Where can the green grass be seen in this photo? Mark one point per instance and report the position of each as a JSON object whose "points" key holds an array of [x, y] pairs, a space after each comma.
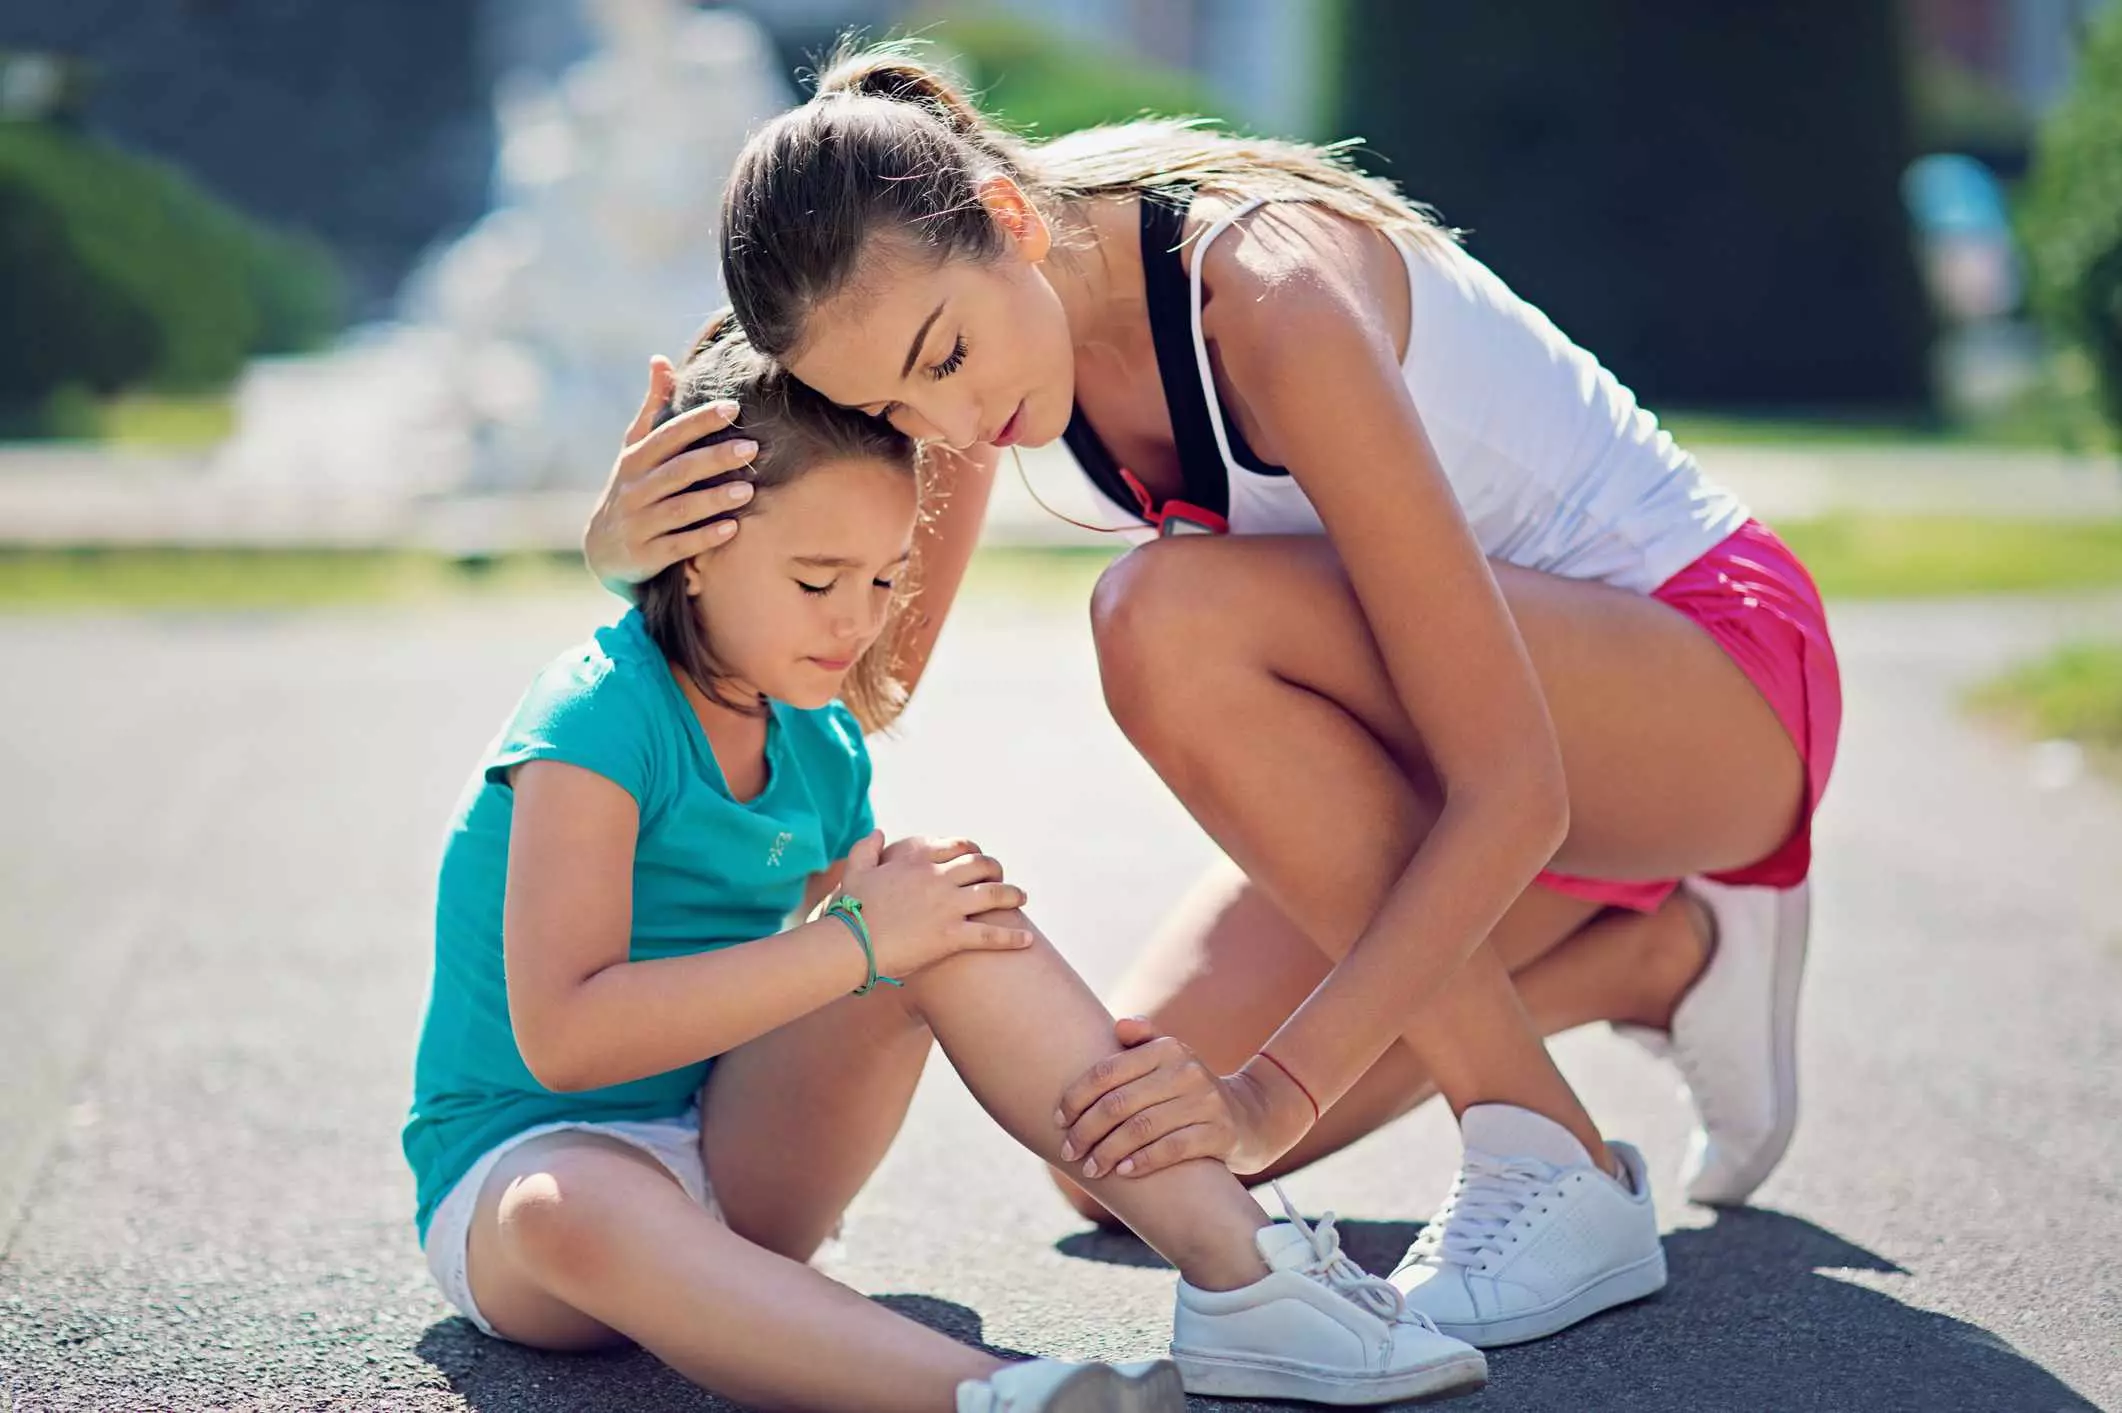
{"points": [[151, 421], [1875, 556], [263, 579], [1851, 556], [2075, 693]]}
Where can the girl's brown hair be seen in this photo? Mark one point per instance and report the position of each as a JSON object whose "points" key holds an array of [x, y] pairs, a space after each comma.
{"points": [[887, 143], [797, 431]]}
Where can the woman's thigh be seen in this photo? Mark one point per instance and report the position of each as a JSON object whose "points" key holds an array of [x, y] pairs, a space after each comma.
{"points": [[794, 1122], [1675, 763]]}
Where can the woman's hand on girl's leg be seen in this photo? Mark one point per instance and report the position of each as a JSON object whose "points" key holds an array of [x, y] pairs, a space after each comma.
{"points": [[1154, 1103]]}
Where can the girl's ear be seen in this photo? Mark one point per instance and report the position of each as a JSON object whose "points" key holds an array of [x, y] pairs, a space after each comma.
{"points": [[1008, 204], [692, 575]]}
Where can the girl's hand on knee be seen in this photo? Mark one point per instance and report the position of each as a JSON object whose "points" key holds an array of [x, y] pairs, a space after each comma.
{"points": [[923, 900], [1154, 1104]]}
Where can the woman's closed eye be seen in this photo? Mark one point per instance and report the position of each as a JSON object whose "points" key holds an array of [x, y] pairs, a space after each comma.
{"points": [[952, 364], [936, 373]]}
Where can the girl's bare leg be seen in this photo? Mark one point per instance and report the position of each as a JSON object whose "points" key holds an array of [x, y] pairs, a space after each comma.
{"points": [[580, 1242]]}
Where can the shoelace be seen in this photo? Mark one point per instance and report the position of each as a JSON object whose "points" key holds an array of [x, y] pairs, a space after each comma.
{"points": [[1489, 1194], [1332, 1268]]}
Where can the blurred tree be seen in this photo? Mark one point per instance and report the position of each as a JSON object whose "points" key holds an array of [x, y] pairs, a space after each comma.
{"points": [[2073, 217], [1703, 195], [116, 272], [1043, 84]]}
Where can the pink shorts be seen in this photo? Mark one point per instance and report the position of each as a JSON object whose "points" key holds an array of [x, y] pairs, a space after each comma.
{"points": [[1752, 595]]}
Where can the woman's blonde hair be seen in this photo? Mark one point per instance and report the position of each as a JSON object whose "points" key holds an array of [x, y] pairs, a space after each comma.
{"points": [[888, 143], [797, 432]]}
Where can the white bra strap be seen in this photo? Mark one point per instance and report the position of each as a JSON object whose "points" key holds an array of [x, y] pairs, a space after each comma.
{"points": [[1208, 374]]}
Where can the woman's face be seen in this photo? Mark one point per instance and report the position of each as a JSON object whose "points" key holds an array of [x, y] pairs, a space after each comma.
{"points": [[792, 602], [960, 351]]}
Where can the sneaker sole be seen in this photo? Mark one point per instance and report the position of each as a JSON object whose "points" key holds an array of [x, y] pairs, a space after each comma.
{"points": [[1101, 1389], [1218, 1376], [1793, 934], [1645, 1277]]}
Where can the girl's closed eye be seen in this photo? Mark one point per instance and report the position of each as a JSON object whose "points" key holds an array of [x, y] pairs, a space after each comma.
{"points": [[823, 589]]}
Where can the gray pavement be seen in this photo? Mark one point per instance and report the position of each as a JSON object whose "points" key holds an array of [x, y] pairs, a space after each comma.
{"points": [[217, 835]]}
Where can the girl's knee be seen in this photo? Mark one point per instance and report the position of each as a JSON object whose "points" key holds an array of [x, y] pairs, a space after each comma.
{"points": [[556, 1219]]}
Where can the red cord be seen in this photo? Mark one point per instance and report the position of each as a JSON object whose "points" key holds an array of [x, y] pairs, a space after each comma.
{"points": [[1294, 1080]]}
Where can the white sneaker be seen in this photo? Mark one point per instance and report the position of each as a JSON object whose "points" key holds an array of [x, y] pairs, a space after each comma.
{"points": [[1735, 1039], [1315, 1327], [1049, 1386], [1534, 1237]]}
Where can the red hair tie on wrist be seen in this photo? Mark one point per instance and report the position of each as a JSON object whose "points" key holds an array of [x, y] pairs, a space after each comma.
{"points": [[1296, 1081]]}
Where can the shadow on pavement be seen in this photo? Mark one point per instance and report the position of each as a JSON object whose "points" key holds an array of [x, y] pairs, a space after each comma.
{"points": [[494, 1376], [1757, 1316]]}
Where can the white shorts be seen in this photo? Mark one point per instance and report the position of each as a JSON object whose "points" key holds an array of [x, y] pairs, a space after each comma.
{"points": [[673, 1142]]}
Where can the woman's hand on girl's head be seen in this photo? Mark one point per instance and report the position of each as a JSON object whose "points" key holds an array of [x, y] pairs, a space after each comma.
{"points": [[638, 529], [923, 901], [1154, 1103]]}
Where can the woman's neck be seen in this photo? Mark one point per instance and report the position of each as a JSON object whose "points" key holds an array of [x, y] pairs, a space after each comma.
{"points": [[1096, 271]]}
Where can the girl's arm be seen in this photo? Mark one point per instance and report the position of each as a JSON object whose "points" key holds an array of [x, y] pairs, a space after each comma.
{"points": [[585, 1016]]}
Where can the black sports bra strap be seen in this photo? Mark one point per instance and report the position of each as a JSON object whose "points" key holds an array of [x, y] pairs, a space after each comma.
{"points": [[1169, 293], [1170, 296]]}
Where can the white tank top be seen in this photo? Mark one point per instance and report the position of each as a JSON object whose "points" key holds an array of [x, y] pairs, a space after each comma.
{"points": [[1554, 464]]}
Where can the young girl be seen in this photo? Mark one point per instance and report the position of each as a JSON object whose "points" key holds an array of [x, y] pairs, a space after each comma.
{"points": [[1477, 624], [643, 1100]]}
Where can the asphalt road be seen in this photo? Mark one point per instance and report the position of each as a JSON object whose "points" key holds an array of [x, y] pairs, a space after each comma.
{"points": [[217, 836]]}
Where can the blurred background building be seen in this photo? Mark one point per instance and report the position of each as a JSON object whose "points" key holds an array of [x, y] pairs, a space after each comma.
{"points": [[1812, 209]]}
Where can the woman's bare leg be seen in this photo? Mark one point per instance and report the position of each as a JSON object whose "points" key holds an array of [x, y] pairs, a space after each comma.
{"points": [[1276, 725], [1228, 968]]}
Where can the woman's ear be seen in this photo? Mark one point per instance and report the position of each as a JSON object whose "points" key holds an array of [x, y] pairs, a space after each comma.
{"points": [[693, 567], [1008, 204]]}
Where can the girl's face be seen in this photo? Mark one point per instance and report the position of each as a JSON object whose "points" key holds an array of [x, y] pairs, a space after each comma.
{"points": [[792, 602], [960, 351]]}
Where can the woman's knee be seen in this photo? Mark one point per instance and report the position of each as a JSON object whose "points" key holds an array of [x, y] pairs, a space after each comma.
{"points": [[1156, 631]]}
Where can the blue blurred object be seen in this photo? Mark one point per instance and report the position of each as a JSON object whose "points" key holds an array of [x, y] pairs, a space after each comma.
{"points": [[1969, 259], [1952, 193]]}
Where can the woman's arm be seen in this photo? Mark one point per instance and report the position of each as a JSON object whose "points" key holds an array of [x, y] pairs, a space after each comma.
{"points": [[584, 1015], [956, 486], [1323, 378]]}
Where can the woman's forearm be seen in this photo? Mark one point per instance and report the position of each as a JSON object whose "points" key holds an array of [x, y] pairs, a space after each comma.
{"points": [[636, 1019], [1478, 857], [957, 488]]}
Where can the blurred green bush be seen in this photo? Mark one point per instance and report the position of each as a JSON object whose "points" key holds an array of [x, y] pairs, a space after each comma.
{"points": [[117, 273], [1043, 84], [2073, 213]]}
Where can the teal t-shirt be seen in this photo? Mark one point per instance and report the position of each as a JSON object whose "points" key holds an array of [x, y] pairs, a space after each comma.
{"points": [[708, 872]]}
